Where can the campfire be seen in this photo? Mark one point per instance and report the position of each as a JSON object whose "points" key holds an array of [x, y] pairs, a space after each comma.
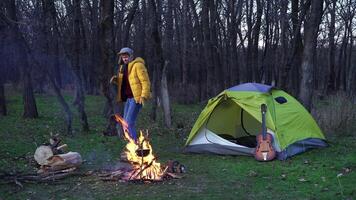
{"points": [[143, 163], [140, 155]]}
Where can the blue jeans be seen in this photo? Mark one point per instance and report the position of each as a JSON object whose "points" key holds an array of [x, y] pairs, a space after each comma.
{"points": [[131, 111]]}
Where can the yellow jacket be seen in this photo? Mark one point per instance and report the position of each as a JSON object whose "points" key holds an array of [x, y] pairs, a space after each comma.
{"points": [[138, 79]]}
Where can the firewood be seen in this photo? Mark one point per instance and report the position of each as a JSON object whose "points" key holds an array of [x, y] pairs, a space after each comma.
{"points": [[42, 153], [175, 176], [18, 178], [62, 161], [62, 146]]}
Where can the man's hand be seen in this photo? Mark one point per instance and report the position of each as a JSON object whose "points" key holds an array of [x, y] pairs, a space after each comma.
{"points": [[142, 100], [113, 79]]}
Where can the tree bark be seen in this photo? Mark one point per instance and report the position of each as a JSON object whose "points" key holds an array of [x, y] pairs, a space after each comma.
{"points": [[331, 78], [51, 63], [256, 40], [106, 41], [185, 45], [157, 61], [310, 38], [218, 71], [3, 110], [290, 75], [77, 68], [3, 63], [130, 18], [30, 108], [210, 78], [284, 69], [249, 56], [165, 97]]}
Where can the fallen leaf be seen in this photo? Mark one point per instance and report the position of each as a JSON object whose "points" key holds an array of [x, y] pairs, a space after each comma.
{"points": [[302, 180], [252, 173], [283, 176]]}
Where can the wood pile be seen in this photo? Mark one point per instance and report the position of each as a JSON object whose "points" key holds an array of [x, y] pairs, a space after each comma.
{"points": [[52, 158]]}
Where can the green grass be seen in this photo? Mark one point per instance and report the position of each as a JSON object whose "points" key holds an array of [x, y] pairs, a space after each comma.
{"points": [[312, 175]]}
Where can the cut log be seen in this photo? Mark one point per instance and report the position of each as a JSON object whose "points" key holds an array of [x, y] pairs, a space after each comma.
{"points": [[62, 161], [42, 153]]}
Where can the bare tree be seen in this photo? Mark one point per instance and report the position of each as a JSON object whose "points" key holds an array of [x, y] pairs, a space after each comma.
{"points": [[30, 108], [310, 42], [159, 85], [106, 38], [76, 45], [210, 45], [331, 79], [51, 64], [3, 37]]}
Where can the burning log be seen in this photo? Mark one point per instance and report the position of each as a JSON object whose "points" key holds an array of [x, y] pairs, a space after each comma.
{"points": [[144, 165]]}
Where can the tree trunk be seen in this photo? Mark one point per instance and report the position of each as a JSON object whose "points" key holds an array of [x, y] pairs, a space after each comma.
{"points": [[3, 110], [106, 41], [64, 104], [142, 35], [249, 57], [130, 17], [77, 68], [284, 70], [165, 97], [210, 78], [51, 64], [342, 62], [256, 41], [55, 45], [350, 67], [218, 71], [30, 108], [185, 36], [157, 60], [310, 38], [3, 63], [331, 78]]}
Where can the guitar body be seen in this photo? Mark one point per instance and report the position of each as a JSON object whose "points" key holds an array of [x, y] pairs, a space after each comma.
{"points": [[264, 149]]}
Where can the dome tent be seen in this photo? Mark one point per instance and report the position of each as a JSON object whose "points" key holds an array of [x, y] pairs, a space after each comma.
{"points": [[231, 120]]}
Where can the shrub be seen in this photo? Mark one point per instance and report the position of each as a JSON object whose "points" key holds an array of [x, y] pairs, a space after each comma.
{"points": [[336, 115]]}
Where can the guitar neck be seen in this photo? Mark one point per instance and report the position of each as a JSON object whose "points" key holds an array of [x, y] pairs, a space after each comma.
{"points": [[264, 129]]}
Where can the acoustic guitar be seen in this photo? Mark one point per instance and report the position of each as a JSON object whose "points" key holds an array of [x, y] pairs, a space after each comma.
{"points": [[264, 149]]}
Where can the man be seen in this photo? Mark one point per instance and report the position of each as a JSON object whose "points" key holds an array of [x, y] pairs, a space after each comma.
{"points": [[133, 86]]}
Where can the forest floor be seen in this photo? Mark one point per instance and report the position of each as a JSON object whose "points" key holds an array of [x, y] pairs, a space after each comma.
{"points": [[328, 173]]}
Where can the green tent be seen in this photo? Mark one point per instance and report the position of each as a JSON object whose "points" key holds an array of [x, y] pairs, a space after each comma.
{"points": [[230, 121]]}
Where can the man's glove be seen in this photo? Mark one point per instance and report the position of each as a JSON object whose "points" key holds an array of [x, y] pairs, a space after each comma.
{"points": [[113, 79], [142, 101]]}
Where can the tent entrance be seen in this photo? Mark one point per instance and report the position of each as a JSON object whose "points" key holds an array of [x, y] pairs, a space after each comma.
{"points": [[231, 122], [247, 141]]}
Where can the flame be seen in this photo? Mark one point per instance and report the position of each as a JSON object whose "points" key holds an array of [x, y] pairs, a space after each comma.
{"points": [[140, 155], [123, 123]]}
